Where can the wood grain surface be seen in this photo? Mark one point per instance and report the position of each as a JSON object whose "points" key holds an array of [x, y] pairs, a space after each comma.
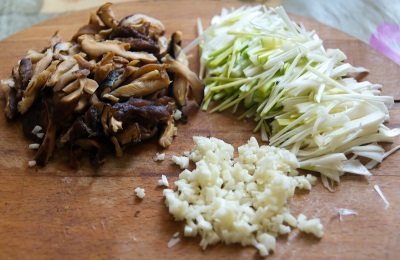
{"points": [[57, 213]]}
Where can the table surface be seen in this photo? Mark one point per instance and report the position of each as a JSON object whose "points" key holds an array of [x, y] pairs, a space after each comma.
{"points": [[54, 212]]}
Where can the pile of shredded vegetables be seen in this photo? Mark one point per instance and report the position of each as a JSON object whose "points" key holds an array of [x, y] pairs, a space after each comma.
{"points": [[300, 93]]}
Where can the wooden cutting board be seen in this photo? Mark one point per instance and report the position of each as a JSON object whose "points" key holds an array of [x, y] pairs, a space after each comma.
{"points": [[55, 212]]}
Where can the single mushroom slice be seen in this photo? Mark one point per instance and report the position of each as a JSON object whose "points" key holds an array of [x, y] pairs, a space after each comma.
{"points": [[81, 73], [66, 78], [145, 25], [25, 71], [84, 64], [55, 39], [174, 46], [127, 73], [128, 32], [61, 50], [180, 83], [163, 44], [17, 82], [146, 69], [144, 85], [107, 83], [104, 119], [11, 108], [147, 115], [102, 72], [138, 44], [115, 125], [82, 104], [179, 89], [168, 133], [196, 86], [47, 147], [119, 61], [106, 15], [71, 87], [96, 49], [117, 146], [103, 35], [89, 85], [35, 56], [130, 134], [90, 29]]}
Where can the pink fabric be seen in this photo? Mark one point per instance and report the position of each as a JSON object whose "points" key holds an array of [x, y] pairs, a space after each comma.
{"points": [[387, 41]]}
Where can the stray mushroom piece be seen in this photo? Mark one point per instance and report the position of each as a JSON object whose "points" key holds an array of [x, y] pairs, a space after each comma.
{"points": [[168, 134]]}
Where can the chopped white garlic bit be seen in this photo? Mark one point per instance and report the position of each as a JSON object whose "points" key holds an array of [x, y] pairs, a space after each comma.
{"points": [[177, 114], [160, 157], [140, 192], [163, 181], [36, 129], [173, 241], [34, 146], [32, 163], [378, 190], [40, 135], [312, 226], [344, 212], [9, 82], [239, 200], [182, 161]]}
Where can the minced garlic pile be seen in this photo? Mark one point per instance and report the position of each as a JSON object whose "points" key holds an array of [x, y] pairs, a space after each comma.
{"points": [[239, 200]]}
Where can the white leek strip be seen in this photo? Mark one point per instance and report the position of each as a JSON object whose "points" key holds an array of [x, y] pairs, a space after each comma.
{"points": [[385, 99], [354, 166], [329, 80], [345, 212], [282, 13], [199, 26], [378, 190], [374, 162]]}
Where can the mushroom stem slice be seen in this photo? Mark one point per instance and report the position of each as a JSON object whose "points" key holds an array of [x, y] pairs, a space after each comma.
{"points": [[107, 16], [144, 85], [96, 49], [179, 89], [47, 147], [196, 86], [168, 134], [117, 146]]}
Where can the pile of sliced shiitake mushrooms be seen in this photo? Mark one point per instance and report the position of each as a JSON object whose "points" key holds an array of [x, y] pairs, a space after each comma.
{"points": [[113, 84]]}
